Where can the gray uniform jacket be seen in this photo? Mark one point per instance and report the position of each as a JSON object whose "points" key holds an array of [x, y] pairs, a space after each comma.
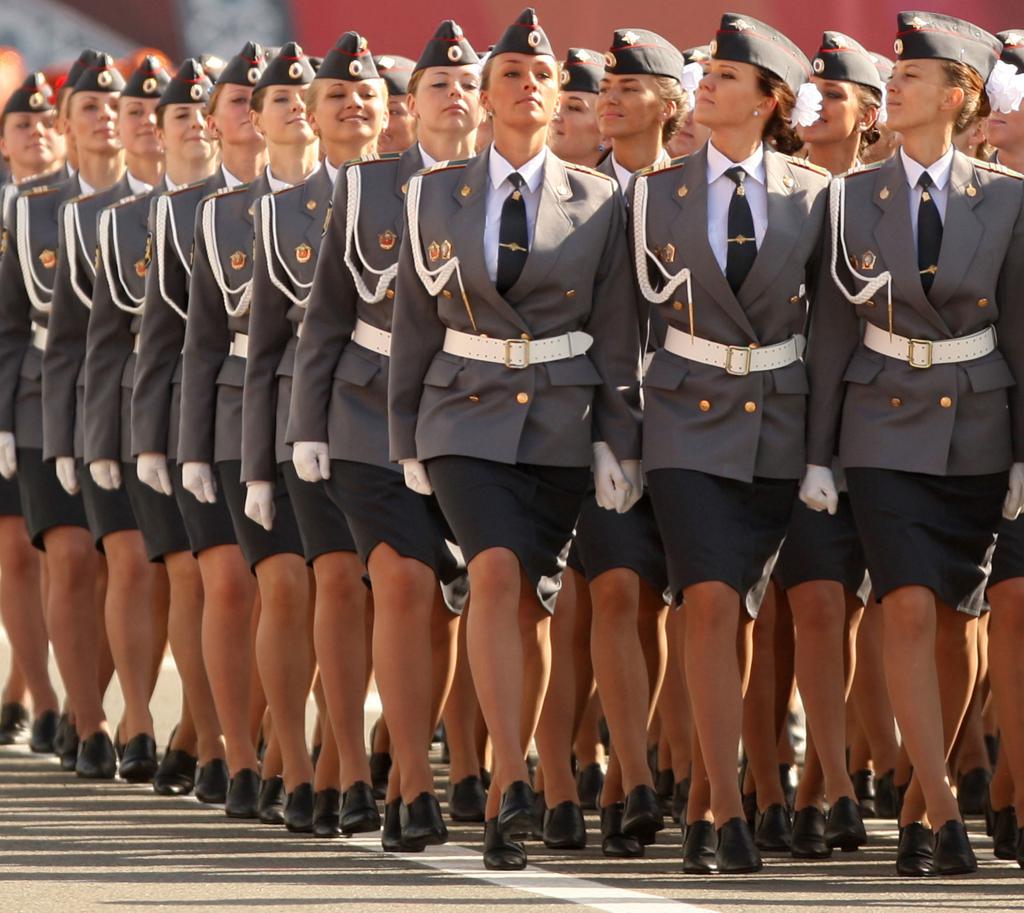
{"points": [[64, 357], [576, 277], [340, 389], [698, 416], [211, 377], [26, 295], [156, 394], [949, 419], [289, 229], [125, 241]]}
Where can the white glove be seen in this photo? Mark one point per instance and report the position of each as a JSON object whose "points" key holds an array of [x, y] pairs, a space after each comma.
{"points": [[612, 487], [106, 474], [311, 461], [198, 479], [818, 489], [8, 455], [259, 503], [1015, 496], [66, 475], [634, 473], [416, 478], [151, 469]]}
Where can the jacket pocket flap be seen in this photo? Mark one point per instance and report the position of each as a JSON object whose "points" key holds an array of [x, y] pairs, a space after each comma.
{"points": [[791, 379], [864, 367], [442, 372], [666, 372], [573, 372], [232, 372], [990, 375], [354, 369], [32, 365]]}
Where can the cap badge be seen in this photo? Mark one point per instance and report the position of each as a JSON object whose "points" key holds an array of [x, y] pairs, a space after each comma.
{"points": [[303, 252], [104, 78], [741, 25], [36, 100], [196, 92], [149, 86], [917, 23], [386, 240], [897, 46], [455, 53], [295, 70], [238, 260], [253, 75], [609, 59], [533, 39], [355, 68], [819, 65], [629, 38]]}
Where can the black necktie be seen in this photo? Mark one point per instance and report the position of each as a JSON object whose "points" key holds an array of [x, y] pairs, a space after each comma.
{"points": [[929, 233], [742, 246], [513, 239]]}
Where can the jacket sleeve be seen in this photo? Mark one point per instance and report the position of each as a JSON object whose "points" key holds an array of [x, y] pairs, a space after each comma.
{"points": [[1010, 329], [15, 327]]}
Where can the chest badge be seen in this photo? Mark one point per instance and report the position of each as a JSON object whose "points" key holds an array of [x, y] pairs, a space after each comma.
{"points": [[883, 194], [434, 250], [446, 250], [238, 260], [140, 268], [303, 252], [868, 260], [668, 253], [387, 240], [48, 258]]}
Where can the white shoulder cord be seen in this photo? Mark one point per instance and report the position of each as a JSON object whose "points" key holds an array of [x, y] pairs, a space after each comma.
{"points": [[642, 254], [385, 276], [173, 225], [837, 215], [165, 212], [210, 236], [268, 223], [108, 236], [71, 251], [33, 286], [81, 241]]}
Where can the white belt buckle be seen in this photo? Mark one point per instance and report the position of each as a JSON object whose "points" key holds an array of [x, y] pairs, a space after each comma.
{"points": [[743, 369], [517, 353], [916, 346]]}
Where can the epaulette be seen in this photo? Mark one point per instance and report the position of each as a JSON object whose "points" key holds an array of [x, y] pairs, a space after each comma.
{"points": [[446, 166], [669, 165], [38, 191], [585, 170], [225, 192], [371, 159], [996, 168], [864, 169], [810, 166], [185, 188], [131, 198]]}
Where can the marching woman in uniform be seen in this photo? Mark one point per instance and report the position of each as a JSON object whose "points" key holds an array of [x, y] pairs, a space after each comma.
{"points": [[575, 134], [131, 581], [228, 590], [399, 131], [515, 329], [339, 423], [904, 346], [727, 242], [216, 343], [346, 105], [30, 145]]}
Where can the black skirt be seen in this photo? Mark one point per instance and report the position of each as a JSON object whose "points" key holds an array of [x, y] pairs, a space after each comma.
{"points": [[530, 510], [718, 529], [256, 543], [1008, 560], [44, 501], [107, 511], [322, 525], [207, 525], [931, 531], [159, 519], [380, 508], [606, 541], [10, 499], [822, 547]]}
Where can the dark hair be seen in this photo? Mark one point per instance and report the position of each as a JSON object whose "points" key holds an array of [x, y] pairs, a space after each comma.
{"points": [[976, 103], [867, 98], [778, 131], [669, 89]]}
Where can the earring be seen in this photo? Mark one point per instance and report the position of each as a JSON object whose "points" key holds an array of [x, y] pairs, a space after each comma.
{"points": [[757, 114]]}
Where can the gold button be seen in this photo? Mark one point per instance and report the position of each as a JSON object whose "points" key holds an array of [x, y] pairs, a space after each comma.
{"points": [[446, 293], [570, 293], [945, 402], [390, 293], [895, 402], [473, 398], [750, 406], [794, 299], [704, 405], [522, 398], [677, 305], [524, 336], [752, 345], [983, 302]]}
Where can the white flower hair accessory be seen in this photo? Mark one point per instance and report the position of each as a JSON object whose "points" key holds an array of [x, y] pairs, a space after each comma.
{"points": [[1005, 88], [693, 73], [807, 107]]}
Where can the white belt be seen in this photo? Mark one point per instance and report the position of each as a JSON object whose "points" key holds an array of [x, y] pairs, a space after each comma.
{"points": [[923, 353], [38, 336], [517, 353], [371, 338], [240, 345], [737, 360]]}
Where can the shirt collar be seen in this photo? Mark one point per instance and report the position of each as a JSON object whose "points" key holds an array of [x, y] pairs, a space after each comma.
{"points": [[229, 179], [275, 183], [428, 160], [533, 171], [171, 185], [939, 170], [332, 172], [623, 175], [718, 164], [85, 186], [136, 186]]}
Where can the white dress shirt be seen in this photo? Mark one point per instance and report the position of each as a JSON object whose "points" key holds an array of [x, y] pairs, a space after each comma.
{"points": [[624, 175], [428, 160], [498, 189], [332, 172], [720, 192], [136, 186], [85, 186], [229, 179], [939, 170]]}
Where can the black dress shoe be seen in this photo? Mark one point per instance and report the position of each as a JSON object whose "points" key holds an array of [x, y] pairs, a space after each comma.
{"points": [[176, 775], [485, 777], [468, 800], [243, 798], [589, 781], [1004, 833], [500, 853], [391, 835], [564, 828], [515, 815], [953, 853], [808, 840], [14, 721], [664, 786], [380, 768], [680, 798], [864, 790], [44, 730], [845, 830], [914, 855], [886, 800], [1020, 847], [642, 816], [271, 801], [735, 853], [750, 808], [972, 791], [422, 824], [96, 758], [614, 843], [212, 782], [699, 848], [63, 724], [138, 761], [774, 830], [359, 813], [298, 809], [540, 809], [327, 813], [69, 749]]}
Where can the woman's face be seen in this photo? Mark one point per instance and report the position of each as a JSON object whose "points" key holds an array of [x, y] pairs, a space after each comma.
{"points": [[230, 120], [31, 142], [840, 114], [348, 112], [523, 90], [574, 135], [92, 120], [690, 136], [184, 133], [400, 131], [283, 120], [729, 94], [1006, 131], [918, 95], [628, 105], [447, 100], [136, 127]]}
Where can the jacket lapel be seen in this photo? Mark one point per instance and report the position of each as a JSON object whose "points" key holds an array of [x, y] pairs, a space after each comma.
{"points": [[316, 194], [961, 233]]}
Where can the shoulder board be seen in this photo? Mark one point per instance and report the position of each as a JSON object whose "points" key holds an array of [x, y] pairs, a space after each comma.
{"points": [[185, 188], [446, 166], [670, 165], [810, 166], [585, 170], [225, 192], [38, 191], [864, 169], [371, 159], [996, 168], [128, 200]]}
